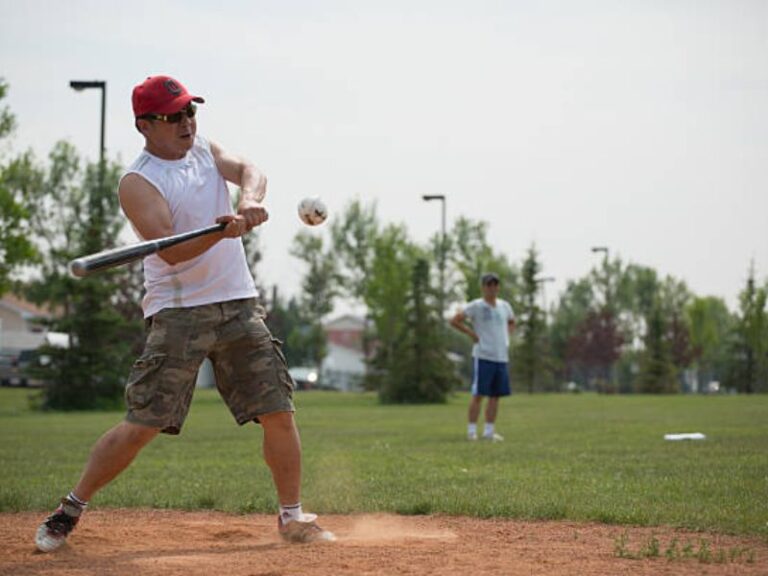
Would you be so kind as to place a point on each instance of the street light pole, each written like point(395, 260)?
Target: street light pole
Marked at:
point(542, 282)
point(608, 304)
point(441, 264)
point(79, 86)
point(604, 250)
point(95, 204)
point(90, 304)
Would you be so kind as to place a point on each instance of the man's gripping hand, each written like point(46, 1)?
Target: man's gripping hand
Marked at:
point(236, 225)
point(253, 212)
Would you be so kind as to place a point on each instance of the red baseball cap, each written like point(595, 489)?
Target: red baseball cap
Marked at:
point(161, 95)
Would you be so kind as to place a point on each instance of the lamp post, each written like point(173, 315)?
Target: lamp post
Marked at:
point(79, 86)
point(601, 249)
point(542, 281)
point(441, 198)
point(604, 250)
point(608, 308)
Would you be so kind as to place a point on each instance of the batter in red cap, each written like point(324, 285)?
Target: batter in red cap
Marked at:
point(199, 302)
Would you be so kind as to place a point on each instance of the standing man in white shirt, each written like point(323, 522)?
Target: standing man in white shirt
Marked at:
point(491, 323)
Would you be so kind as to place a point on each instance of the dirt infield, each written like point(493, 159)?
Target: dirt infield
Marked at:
point(173, 543)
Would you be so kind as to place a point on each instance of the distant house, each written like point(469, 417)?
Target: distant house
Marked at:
point(344, 366)
point(22, 324)
point(346, 331)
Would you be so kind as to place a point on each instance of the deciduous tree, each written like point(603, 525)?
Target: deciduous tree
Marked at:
point(320, 287)
point(18, 180)
point(710, 323)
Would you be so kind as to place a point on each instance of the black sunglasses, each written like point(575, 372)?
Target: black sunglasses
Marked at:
point(175, 118)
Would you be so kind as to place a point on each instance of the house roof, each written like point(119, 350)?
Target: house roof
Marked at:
point(346, 322)
point(25, 309)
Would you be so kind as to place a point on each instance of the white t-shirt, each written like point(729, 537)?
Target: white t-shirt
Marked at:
point(196, 194)
point(491, 323)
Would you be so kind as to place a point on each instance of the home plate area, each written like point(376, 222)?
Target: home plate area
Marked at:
point(174, 543)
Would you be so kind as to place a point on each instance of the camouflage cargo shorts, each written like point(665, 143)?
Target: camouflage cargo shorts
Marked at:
point(249, 366)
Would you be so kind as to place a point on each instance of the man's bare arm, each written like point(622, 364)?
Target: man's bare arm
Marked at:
point(252, 183)
point(149, 213)
point(459, 323)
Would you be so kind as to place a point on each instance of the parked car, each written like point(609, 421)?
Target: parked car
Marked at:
point(305, 377)
point(15, 367)
point(10, 373)
point(28, 361)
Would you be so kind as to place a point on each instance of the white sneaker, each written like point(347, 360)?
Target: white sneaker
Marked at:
point(493, 437)
point(52, 533)
point(304, 531)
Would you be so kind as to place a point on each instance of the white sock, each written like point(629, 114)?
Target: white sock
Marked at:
point(291, 512)
point(488, 429)
point(73, 506)
point(472, 429)
point(76, 501)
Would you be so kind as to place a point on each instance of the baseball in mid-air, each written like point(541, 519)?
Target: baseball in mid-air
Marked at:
point(312, 211)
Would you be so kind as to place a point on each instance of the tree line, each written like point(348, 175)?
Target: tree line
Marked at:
point(620, 328)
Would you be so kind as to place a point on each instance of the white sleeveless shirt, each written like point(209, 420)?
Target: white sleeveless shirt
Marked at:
point(196, 194)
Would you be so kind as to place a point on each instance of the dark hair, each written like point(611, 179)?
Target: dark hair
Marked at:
point(136, 122)
point(489, 278)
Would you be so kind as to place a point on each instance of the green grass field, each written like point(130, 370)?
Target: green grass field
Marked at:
point(577, 457)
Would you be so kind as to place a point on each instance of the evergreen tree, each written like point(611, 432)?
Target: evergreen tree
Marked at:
point(749, 345)
point(78, 213)
point(657, 371)
point(286, 323)
point(419, 370)
point(529, 362)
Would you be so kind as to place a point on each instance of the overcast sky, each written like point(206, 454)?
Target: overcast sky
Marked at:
point(639, 125)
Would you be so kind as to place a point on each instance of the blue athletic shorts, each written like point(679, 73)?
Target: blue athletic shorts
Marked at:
point(490, 378)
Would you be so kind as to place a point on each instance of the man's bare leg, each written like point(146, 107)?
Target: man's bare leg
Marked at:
point(474, 409)
point(282, 452)
point(474, 414)
point(491, 409)
point(112, 454)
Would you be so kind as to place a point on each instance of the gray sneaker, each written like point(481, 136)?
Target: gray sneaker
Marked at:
point(52, 533)
point(304, 531)
point(493, 437)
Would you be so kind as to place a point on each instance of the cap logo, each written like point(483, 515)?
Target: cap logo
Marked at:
point(172, 87)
